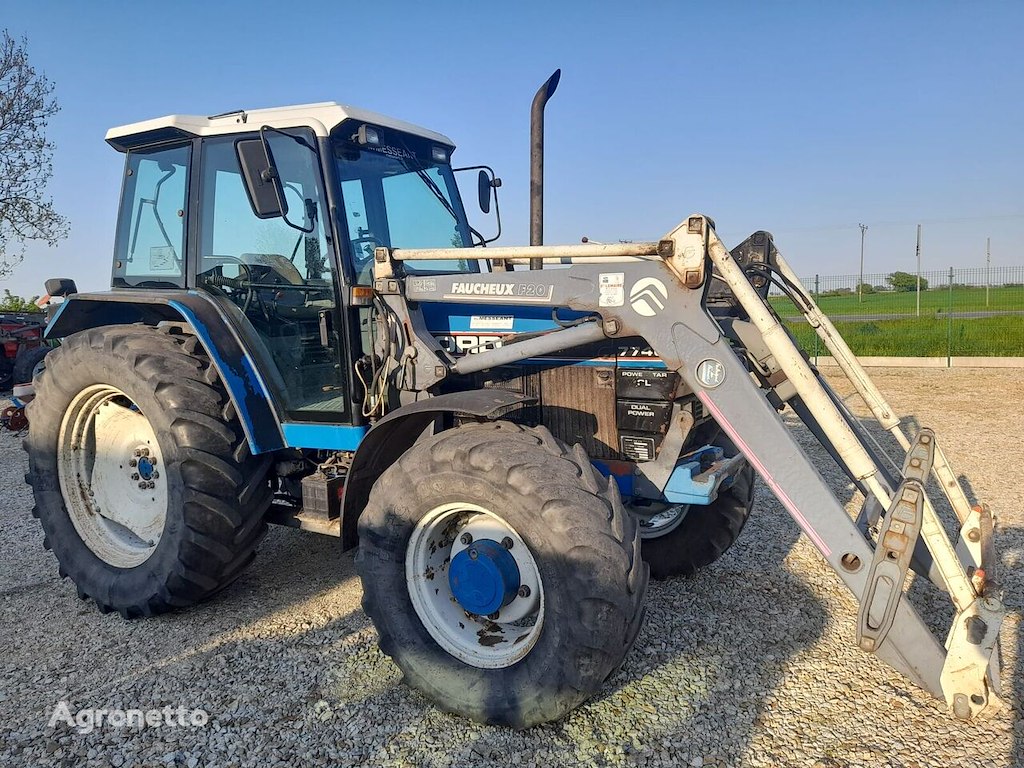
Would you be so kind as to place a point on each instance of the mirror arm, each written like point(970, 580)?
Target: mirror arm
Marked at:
point(497, 212)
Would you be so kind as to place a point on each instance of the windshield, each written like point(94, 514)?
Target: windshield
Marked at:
point(396, 195)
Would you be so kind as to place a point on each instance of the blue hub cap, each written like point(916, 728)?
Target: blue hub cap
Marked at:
point(484, 577)
point(145, 468)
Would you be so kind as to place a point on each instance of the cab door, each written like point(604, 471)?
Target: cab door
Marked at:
point(280, 272)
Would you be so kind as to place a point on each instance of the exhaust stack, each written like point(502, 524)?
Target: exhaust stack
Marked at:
point(537, 163)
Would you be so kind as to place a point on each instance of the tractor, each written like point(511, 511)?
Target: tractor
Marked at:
point(305, 328)
point(21, 347)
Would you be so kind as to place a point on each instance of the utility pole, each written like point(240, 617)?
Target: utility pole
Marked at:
point(918, 270)
point(860, 283)
point(988, 267)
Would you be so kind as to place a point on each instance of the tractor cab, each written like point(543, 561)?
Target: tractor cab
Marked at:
point(279, 212)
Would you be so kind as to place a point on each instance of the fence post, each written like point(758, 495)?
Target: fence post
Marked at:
point(949, 323)
point(817, 297)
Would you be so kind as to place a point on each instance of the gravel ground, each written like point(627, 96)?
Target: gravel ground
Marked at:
point(750, 663)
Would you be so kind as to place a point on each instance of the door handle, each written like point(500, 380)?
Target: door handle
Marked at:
point(325, 328)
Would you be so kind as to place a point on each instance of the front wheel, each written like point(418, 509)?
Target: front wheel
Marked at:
point(680, 539)
point(501, 572)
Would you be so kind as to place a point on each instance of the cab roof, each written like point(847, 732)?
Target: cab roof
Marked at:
point(322, 118)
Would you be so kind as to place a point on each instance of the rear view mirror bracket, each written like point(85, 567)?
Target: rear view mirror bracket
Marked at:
point(487, 188)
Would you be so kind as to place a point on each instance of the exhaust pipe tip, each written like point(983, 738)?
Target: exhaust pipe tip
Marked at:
point(547, 90)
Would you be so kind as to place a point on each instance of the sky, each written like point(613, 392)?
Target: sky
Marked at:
point(802, 118)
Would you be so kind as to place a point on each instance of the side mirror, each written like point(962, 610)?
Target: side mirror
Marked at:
point(60, 286)
point(262, 181)
point(483, 186)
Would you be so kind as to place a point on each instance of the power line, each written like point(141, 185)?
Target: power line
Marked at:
point(892, 223)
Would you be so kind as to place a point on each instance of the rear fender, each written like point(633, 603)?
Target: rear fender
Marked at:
point(221, 339)
point(397, 432)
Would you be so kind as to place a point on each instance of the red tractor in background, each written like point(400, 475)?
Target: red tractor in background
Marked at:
point(22, 348)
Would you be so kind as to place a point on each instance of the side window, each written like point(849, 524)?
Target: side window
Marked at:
point(234, 240)
point(280, 276)
point(150, 250)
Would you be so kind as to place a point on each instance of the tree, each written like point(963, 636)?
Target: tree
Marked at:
point(904, 281)
point(12, 303)
point(26, 106)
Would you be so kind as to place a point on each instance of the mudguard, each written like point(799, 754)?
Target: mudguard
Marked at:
point(395, 434)
point(235, 356)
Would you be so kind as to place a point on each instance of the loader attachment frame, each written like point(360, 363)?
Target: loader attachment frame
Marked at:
point(660, 291)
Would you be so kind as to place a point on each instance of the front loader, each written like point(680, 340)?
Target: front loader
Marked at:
point(304, 328)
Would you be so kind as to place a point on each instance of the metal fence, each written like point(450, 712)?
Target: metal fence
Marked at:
point(949, 313)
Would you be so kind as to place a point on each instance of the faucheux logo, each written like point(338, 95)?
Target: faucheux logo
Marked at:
point(485, 289)
point(647, 296)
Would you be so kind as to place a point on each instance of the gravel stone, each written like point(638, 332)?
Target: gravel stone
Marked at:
point(750, 663)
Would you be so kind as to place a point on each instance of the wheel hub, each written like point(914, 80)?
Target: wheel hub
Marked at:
point(147, 468)
point(475, 585)
point(484, 577)
point(107, 468)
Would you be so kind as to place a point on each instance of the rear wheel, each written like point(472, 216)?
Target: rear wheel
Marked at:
point(143, 481)
point(29, 364)
point(501, 572)
point(6, 373)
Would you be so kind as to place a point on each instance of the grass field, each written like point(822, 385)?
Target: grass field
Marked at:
point(925, 337)
point(931, 334)
point(905, 303)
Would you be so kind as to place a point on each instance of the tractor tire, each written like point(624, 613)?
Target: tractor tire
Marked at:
point(136, 418)
point(704, 532)
point(6, 373)
point(572, 540)
point(29, 364)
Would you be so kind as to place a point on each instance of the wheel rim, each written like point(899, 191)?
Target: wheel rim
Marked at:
point(463, 555)
point(109, 468)
point(662, 521)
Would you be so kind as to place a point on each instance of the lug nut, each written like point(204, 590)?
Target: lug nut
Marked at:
point(135, 475)
point(137, 453)
point(466, 538)
point(142, 485)
point(133, 463)
point(524, 591)
point(155, 475)
point(493, 616)
point(506, 543)
point(144, 451)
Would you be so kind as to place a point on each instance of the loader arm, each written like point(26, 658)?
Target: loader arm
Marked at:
point(662, 292)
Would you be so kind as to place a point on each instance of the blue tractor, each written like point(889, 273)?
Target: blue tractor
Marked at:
point(304, 327)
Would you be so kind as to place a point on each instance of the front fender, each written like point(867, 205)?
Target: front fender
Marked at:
point(224, 344)
point(397, 432)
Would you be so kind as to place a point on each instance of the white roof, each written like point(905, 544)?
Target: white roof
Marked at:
point(321, 117)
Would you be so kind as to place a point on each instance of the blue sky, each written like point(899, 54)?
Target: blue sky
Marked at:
point(803, 118)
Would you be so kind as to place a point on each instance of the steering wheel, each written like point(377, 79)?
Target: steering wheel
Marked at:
point(250, 292)
point(366, 243)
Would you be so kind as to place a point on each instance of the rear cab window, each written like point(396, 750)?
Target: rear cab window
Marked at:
point(149, 250)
